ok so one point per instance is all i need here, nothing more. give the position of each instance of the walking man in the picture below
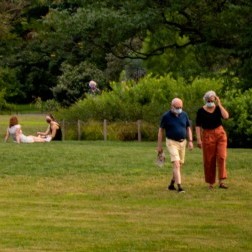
(176, 124)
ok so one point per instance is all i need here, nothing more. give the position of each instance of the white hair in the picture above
(175, 100)
(208, 94)
(92, 83)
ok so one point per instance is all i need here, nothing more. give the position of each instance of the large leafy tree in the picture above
(217, 34)
(10, 14)
(44, 40)
(73, 84)
(194, 36)
(20, 51)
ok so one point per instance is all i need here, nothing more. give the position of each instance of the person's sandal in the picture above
(210, 187)
(223, 186)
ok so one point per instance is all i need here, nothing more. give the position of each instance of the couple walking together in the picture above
(211, 138)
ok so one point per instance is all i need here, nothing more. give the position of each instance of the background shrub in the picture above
(146, 100)
(149, 98)
(127, 131)
(239, 126)
(92, 130)
(70, 130)
(149, 131)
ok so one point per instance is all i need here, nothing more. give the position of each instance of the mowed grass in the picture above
(110, 196)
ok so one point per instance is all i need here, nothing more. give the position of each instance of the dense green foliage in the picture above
(148, 99)
(145, 100)
(50, 50)
(73, 83)
(186, 38)
(239, 125)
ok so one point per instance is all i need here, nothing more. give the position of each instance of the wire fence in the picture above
(105, 130)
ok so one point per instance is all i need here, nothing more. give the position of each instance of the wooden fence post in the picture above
(105, 129)
(63, 129)
(139, 130)
(79, 129)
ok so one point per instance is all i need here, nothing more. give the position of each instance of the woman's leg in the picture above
(222, 155)
(38, 139)
(209, 156)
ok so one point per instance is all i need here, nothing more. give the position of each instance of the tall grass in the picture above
(110, 196)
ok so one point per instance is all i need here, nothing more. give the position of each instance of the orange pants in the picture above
(214, 144)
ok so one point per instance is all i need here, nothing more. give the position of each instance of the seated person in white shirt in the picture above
(14, 130)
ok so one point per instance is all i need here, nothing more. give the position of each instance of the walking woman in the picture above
(212, 138)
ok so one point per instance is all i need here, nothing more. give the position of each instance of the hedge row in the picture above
(148, 99)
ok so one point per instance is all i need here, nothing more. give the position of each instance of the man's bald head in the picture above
(176, 106)
(177, 103)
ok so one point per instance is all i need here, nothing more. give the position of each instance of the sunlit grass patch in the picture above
(110, 196)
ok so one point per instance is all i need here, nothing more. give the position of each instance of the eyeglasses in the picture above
(177, 107)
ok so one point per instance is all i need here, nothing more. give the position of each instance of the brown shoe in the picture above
(223, 186)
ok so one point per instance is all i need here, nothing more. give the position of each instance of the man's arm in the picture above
(189, 134)
(160, 140)
(190, 137)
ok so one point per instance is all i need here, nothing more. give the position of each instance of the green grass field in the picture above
(110, 196)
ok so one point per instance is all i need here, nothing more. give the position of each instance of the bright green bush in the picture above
(239, 126)
(148, 99)
(149, 131)
(51, 105)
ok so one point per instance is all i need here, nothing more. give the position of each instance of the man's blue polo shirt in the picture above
(175, 126)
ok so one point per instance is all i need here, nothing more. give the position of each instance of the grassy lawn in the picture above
(110, 196)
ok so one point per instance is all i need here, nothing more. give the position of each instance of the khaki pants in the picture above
(214, 144)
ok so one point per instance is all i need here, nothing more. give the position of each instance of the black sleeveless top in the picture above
(208, 120)
(58, 135)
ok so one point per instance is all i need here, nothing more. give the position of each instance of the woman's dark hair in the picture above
(52, 117)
